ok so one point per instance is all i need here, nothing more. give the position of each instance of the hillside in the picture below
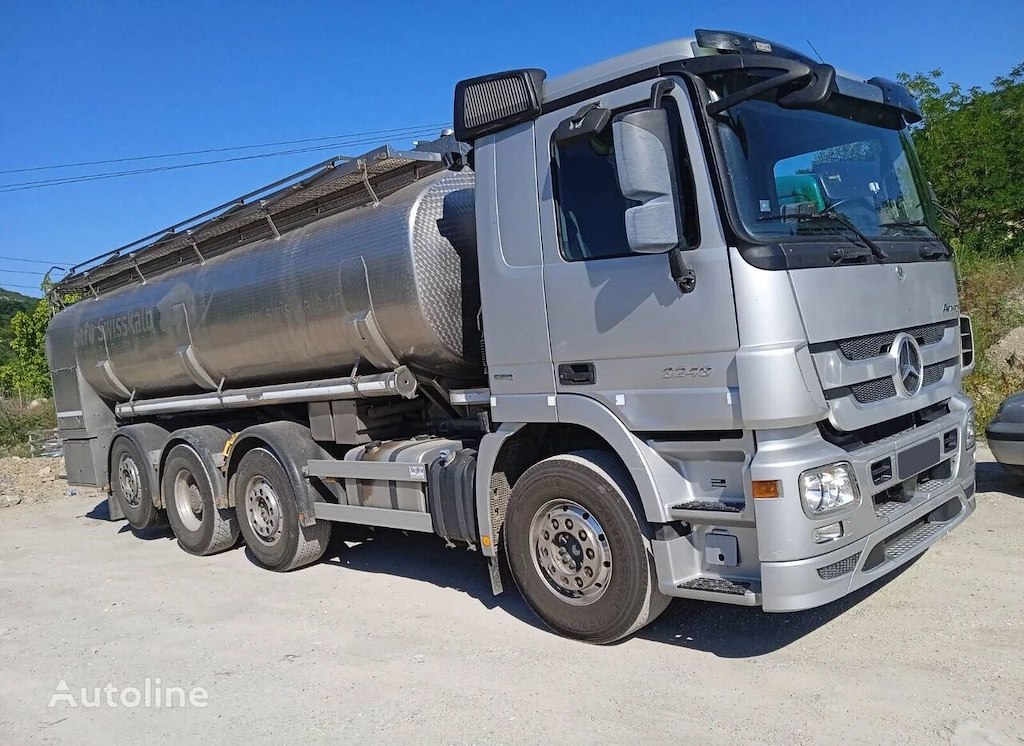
(10, 303)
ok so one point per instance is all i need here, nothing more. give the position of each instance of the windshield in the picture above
(787, 166)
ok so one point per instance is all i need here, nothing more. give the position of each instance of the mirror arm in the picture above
(659, 90)
(684, 277)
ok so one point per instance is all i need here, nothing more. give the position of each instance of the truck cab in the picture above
(778, 359)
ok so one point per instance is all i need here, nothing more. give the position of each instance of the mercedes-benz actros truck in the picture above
(676, 325)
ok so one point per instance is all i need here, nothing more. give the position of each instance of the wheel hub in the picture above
(188, 500)
(571, 552)
(128, 479)
(263, 510)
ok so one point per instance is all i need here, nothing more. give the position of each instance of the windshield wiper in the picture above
(928, 251)
(904, 224)
(831, 215)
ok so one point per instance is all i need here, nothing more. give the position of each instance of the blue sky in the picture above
(94, 80)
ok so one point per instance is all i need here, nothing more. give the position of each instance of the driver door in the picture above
(621, 331)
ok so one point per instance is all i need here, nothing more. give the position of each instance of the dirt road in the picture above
(398, 638)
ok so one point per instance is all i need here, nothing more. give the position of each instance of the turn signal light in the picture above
(764, 488)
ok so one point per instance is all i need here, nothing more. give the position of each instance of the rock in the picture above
(7, 501)
(1009, 351)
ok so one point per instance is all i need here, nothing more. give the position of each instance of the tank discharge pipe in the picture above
(399, 382)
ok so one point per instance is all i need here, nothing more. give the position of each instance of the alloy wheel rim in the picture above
(263, 510)
(129, 481)
(571, 552)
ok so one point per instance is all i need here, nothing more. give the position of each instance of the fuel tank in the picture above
(384, 285)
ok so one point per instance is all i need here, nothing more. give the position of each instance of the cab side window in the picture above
(591, 209)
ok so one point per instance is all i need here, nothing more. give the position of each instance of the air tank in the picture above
(377, 286)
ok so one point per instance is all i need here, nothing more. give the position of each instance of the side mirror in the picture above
(643, 158)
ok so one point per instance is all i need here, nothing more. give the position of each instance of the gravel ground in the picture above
(397, 638)
(33, 480)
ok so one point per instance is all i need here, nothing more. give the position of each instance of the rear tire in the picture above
(268, 515)
(200, 526)
(131, 486)
(577, 550)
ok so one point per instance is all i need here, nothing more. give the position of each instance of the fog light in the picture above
(828, 488)
(828, 533)
(969, 435)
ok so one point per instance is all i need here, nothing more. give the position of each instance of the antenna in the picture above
(815, 51)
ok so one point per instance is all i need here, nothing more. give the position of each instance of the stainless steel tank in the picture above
(388, 284)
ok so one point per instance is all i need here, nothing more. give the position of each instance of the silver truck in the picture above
(674, 325)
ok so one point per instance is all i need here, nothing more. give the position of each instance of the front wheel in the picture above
(577, 550)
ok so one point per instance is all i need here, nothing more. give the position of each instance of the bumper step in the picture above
(713, 505)
(717, 589)
(715, 585)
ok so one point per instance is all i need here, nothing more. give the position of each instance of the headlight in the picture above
(828, 488)
(969, 435)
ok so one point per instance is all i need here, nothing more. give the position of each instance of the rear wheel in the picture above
(200, 526)
(130, 483)
(577, 550)
(269, 517)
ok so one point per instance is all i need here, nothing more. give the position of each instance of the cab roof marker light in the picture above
(730, 41)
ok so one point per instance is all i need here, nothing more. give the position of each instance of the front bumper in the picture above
(896, 518)
(806, 583)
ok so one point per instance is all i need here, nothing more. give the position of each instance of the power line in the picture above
(31, 261)
(110, 174)
(21, 186)
(22, 271)
(23, 287)
(376, 133)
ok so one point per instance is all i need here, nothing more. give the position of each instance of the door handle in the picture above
(576, 374)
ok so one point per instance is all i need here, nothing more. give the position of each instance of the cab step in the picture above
(711, 513)
(707, 505)
(721, 590)
(715, 585)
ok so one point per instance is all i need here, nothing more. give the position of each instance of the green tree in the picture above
(28, 372)
(971, 144)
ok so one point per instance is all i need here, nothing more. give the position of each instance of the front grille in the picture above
(872, 391)
(934, 373)
(838, 569)
(873, 345)
(884, 388)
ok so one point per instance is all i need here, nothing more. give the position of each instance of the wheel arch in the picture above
(583, 424)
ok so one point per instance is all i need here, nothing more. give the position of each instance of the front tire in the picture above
(577, 550)
(131, 486)
(269, 517)
(200, 526)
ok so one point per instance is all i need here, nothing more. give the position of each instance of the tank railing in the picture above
(172, 231)
(398, 382)
(282, 196)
